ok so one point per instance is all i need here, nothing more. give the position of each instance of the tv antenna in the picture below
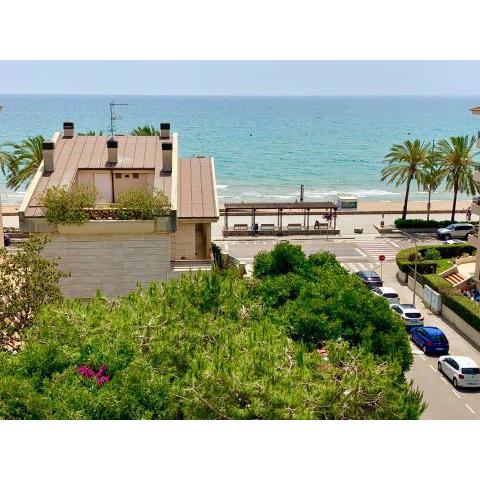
(114, 116)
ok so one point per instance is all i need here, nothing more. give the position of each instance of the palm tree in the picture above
(91, 133)
(456, 160)
(145, 131)
(431, 176)
(22, 161)
(403, 164)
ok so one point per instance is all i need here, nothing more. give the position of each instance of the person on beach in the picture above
(317, 225)
(469, 214)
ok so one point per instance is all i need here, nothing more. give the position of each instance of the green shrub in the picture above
(67, 205)
(406, 258)
(284, 258)
(431, 254)
(28, 282)
(420, 223)
(173, 353)
(137, 204)
(467, 309)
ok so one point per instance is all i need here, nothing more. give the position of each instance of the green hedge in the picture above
(467, 309)
(404, 259)
(420, 223)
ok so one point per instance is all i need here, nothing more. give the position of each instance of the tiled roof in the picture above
(196, 187)
(197, 195)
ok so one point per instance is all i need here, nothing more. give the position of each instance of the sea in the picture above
(264, 147)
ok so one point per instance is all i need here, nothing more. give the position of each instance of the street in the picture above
(361, 253)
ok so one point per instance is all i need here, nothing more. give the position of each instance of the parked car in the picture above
(430, 340)
(370, 279)
(411, 316)
(389, 294)
(453, 241)
(455, 230)
(462, 371)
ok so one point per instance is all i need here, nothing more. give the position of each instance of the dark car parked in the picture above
(430, 340)
(370, 279)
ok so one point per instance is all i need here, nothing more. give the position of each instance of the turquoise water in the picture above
(264, 147)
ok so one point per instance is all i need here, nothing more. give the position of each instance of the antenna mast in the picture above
(113, 116)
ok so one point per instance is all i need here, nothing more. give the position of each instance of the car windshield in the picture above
(471, 371)
(438, 337)
(390, 295)
(413, 315)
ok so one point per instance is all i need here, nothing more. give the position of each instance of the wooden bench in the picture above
(294, 226)
(321, 225)
(267, 226)
(240, 226)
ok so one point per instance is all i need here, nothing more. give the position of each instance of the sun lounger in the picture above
(267, 226)
(240, 226)
(294, 226)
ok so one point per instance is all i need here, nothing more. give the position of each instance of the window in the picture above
(118, 175)
(390, 295)
(136, 175)
(413, 315)
(471, 371)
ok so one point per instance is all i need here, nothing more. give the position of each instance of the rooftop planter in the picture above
(109, 227)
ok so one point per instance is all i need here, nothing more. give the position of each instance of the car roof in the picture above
(408, 307)
(368, 273)
(464, 361)
(386, 290)
(432, 329)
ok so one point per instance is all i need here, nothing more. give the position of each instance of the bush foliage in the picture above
(137, 204)
(216, 346)
(406, 258)
(28, 282)
(467, 309)
(65, 205)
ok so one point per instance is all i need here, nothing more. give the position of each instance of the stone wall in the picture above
(112, 263)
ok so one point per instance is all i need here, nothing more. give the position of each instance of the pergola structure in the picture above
(327, 209)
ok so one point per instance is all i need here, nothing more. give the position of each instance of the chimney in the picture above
(167, 157)
(112, 147)
(48, 148)
(165, 130)
(68, 129)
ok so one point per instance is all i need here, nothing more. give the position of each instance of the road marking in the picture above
(423, 358)
(360, 252)
(394, 244)
(444, 381)
(456, 393)
(431, 366)
(470, 408)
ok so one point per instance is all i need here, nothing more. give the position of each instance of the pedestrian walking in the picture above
(469, 214)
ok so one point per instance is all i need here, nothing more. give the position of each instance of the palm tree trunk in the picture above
(429, 203)
(405, 203)
(454, 206)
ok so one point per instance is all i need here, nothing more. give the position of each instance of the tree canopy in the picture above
(216, 346)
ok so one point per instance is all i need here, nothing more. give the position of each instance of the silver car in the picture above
(455, 230)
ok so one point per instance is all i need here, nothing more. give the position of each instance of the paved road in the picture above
(444, 402)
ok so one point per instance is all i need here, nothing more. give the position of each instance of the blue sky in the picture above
(242, 77)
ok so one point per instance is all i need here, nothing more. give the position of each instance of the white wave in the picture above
(222, 187)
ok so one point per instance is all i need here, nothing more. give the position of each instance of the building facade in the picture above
(115, 255)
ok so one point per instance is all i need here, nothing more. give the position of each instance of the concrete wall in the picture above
(112, 263)
(463, 327)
